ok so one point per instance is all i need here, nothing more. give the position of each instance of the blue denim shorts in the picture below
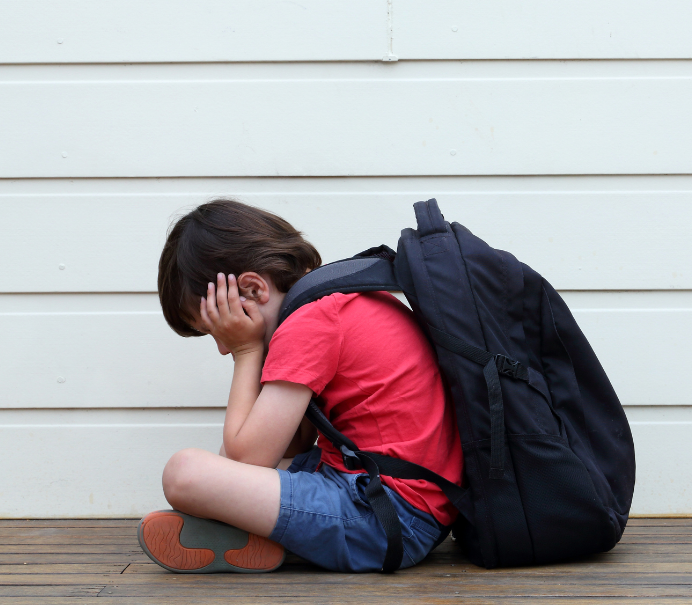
(325, 518)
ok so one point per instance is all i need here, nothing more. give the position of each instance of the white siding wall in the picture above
(558, 131)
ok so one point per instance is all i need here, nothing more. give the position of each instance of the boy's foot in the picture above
(187, 544)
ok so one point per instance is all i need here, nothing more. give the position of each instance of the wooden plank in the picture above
(295, 580)
(80, 549)
(62, 568)
(669, 529)
(82, 539)
(629, 572)
(101, 524)
(209, 601)
(595, 568)
(442, 565)
(540, 29)
(630, 562)
(656, 540)
(336, 600)
(635, 522)
(114, 31)
(435, 587)
(57, 556)
(597, 249)
(66, 530)
(446, 554)
(30, 534)
(654, 550)
(219, 600)
(548, 118)
(450, 548)
(32, 594)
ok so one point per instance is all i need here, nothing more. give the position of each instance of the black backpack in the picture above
(548, 453)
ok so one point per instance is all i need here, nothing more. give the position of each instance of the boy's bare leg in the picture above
(203, 484)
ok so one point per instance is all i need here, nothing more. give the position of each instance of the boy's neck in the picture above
(270, 311)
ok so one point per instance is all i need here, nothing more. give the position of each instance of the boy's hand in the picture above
(223, 313)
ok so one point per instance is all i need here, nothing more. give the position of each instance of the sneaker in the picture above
(187, 544)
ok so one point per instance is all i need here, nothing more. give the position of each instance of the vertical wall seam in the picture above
(390, 56)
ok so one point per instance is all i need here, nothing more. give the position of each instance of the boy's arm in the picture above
(260, 425)
(260, 422)
(303, 440)
(269, 428)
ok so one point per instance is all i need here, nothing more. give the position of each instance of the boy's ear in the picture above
(252, 285)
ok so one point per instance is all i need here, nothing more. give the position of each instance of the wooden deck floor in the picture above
(67, 561)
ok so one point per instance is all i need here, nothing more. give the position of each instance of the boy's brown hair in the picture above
(226, 236)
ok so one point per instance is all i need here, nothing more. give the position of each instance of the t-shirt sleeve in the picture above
(305, 348)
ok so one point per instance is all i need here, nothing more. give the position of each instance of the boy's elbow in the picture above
(248, 455)
(235, 451)
(230, 450)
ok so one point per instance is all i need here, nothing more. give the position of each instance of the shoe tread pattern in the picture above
(259, 554)
(161, 533)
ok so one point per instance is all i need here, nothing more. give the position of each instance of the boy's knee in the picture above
(179, 475)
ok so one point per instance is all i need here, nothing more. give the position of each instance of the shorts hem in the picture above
(285, 507)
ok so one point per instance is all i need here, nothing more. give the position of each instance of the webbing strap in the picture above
(505, 365)
(386, 514)
(403, 469)
(497, 420)
(493, 366)
(315, 415)
(379, 500)
(376, 465)
(456, 345)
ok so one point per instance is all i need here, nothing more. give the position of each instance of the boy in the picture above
(224, 271)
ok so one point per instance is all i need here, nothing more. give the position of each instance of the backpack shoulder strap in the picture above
(378, 464)
(369, 271)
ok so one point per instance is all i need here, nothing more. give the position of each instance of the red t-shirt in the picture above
(379, 384)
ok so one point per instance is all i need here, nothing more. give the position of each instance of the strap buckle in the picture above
(507, 366)
(351, 461)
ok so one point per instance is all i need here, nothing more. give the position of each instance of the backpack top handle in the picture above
(429, 217)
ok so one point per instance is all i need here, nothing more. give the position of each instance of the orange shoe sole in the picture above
(187, 544)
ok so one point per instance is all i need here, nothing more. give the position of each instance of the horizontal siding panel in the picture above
(114, 31)
(111, 31)
(95, 463)
(362, 120)
(644, 352)
(114, 359)
(661, 442)
(542, 29)
(107, 359)
(110, 461)
(580, 240)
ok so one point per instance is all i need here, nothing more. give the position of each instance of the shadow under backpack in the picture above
(548, 453)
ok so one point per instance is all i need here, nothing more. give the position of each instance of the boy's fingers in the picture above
(252, 310)
(212, 311)
(222, 296)
(203, 313)
(233, 297)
